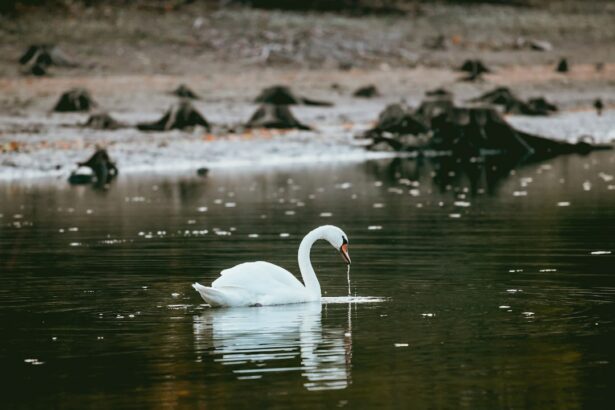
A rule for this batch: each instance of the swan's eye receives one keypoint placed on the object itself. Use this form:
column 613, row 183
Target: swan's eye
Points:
column 344, row 240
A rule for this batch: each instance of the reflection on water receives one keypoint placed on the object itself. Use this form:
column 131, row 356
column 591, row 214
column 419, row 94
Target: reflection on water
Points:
column 495, row 288
column 257, row 341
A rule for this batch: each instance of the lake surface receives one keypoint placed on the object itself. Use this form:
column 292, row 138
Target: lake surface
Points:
column 490, row 294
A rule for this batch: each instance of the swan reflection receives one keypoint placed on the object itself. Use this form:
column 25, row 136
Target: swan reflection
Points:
column 289, row 338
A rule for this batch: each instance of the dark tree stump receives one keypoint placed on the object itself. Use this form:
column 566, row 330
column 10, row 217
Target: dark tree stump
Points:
column 180, row 116
column 368, row 91
column 282, row 95
column 275, row 116
column 183, row 91
column 75, row 100
column 562, row 66
column 101, row 165
column 102, row 121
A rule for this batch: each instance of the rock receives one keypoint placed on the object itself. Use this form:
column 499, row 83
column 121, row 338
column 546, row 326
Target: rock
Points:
column 368, row 91
column 183, row 91
column 180, row 116
column 275, row 116
column 599, row 106
column 101, row 165
column 75, row 100
column 511, row 104
column 102, row 121
column 562, row 66
column 282, row 95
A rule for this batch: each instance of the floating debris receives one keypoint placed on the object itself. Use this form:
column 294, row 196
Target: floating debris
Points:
column 326, row 214
column 368, row 91
column 401, row 344
column 563, row 203
column 275, row 116
column 34, row 362
column 454, row 216
column 504, row 307
column 587, row 186
column 428, row 314
column 374, row 228
column 75, row 100
column 528, row 314
column 514, row 290
column 179, row 116
column 283, row 95
column 600, row 252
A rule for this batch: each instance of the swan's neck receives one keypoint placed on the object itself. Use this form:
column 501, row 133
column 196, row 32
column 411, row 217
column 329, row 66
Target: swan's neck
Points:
column 305, row 265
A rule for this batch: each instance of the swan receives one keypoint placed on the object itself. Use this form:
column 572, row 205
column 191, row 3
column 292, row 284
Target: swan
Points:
column 263, row 283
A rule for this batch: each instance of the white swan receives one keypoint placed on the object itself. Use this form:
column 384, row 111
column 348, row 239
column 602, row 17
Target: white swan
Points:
column 263, row 283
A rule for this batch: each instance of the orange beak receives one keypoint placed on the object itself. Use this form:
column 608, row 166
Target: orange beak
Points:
column 344, row 252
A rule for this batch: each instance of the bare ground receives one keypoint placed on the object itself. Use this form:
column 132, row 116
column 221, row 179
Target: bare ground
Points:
column 131, row 58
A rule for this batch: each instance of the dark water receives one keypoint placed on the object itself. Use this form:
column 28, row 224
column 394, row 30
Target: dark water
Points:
column 499, row 304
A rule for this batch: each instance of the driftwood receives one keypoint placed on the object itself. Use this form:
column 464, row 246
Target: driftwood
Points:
column 180, row 116
column 75, row 100
column 282, row 95
column 275, row 116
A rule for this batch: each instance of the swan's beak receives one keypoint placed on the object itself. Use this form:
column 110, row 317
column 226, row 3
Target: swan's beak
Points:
column 344, row 252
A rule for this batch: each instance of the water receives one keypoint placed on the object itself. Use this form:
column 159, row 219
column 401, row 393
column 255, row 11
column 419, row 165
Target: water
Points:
column 473, row 286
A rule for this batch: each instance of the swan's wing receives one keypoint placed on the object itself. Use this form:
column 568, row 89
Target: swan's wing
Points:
column 258, row 277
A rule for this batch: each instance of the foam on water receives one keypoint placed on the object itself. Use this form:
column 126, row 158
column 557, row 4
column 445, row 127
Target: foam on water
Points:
column 352, row 299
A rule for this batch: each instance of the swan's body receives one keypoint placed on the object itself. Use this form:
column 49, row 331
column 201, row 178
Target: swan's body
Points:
column 263, row 283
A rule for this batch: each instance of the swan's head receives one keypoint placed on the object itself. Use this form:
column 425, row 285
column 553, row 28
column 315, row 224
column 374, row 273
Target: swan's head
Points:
column 338, row 239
